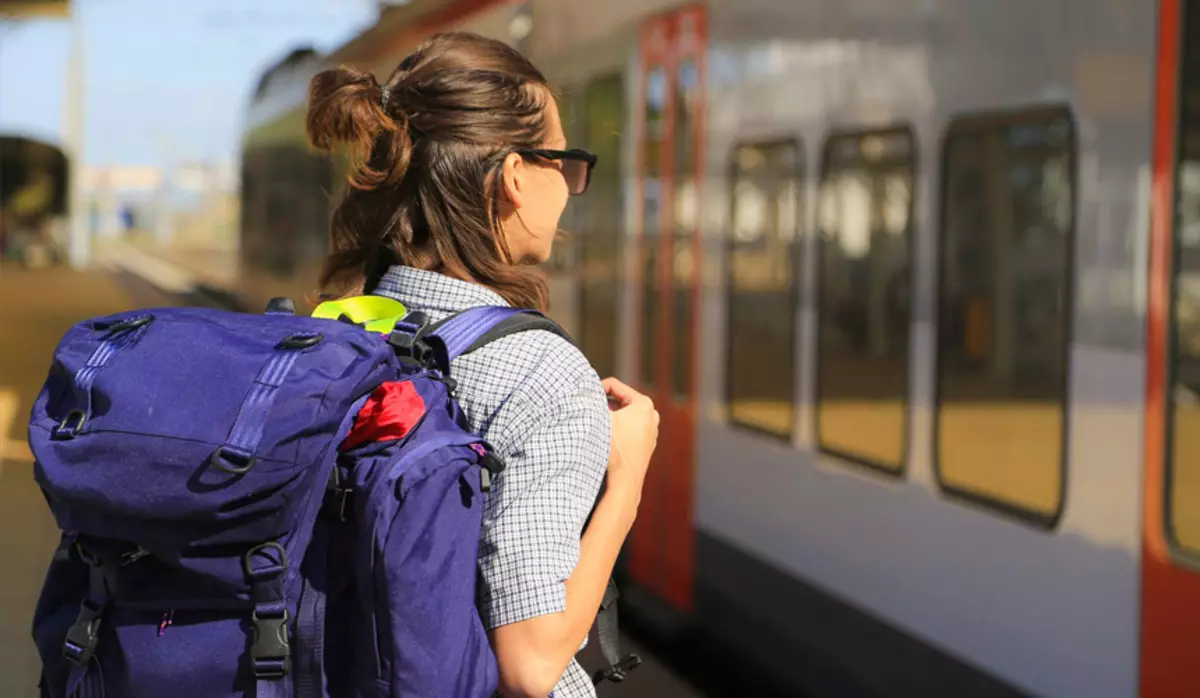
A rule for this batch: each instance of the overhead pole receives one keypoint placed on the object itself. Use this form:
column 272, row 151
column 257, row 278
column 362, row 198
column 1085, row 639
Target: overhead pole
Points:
column 79, row 235
column 4, row 27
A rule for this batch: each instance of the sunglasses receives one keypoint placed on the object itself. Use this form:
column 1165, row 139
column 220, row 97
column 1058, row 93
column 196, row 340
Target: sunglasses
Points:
column 577, row 165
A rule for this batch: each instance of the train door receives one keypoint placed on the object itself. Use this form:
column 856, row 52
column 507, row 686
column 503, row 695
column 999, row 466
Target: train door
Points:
column 1170, row 609
column 670, row 177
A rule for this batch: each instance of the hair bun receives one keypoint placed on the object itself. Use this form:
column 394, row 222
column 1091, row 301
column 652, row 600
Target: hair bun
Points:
column 346, row 108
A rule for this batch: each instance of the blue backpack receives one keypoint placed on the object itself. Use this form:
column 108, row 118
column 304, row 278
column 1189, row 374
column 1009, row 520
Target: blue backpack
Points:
column 221, row 537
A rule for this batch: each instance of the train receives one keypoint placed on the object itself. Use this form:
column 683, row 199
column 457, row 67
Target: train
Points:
column 33, row 199
column 912, row 283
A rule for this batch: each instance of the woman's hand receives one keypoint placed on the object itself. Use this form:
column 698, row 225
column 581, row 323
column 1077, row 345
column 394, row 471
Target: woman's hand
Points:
column 634, row 435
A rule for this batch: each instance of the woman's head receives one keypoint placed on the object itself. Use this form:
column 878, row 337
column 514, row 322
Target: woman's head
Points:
column 447, row 168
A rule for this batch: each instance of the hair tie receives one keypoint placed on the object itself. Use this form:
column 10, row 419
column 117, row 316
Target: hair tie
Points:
column 384, row 99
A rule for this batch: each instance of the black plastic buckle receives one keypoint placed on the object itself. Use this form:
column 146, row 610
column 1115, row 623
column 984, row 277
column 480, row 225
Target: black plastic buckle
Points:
column 83, row 636
column 492, row 466
column 271, row 643
column 492, row 463
column 619, row 671
column 412, row 344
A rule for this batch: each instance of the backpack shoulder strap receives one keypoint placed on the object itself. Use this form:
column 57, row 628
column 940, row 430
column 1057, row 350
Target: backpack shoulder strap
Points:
column 471, row 329
column 522, row 322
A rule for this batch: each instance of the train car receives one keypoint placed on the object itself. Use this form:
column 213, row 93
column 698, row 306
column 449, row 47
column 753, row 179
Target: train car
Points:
column 33, row 196
column 911, row 284
column 285, row 188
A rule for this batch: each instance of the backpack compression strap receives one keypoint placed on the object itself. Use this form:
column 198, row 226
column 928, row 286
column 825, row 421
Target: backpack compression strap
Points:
column 469, row 330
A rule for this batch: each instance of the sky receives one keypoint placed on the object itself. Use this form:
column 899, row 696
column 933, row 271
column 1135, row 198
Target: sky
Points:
column 167, row 81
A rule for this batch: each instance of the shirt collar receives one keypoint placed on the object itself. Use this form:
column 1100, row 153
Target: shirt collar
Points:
column 427, row 290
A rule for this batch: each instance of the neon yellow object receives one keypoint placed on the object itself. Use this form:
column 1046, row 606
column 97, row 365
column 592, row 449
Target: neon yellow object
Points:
column 374, row 313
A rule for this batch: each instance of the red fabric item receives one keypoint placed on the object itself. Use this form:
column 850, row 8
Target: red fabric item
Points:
column 388, row 415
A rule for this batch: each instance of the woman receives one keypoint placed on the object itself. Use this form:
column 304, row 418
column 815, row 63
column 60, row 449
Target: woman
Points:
column 458, row 179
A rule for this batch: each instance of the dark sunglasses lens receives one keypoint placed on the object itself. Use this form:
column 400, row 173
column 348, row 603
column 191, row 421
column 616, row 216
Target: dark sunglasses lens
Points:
column 576, row 174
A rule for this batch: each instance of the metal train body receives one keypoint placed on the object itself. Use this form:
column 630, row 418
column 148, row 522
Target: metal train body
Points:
column 908, row 280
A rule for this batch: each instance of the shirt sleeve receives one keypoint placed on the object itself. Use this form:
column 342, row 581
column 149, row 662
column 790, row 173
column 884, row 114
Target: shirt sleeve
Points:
column 555, row 445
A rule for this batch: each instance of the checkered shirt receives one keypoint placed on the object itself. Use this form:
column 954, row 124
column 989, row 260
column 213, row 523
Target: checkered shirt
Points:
column 536, row 399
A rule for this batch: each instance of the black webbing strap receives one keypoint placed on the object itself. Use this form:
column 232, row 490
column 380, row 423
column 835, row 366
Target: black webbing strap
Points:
column 608, row 630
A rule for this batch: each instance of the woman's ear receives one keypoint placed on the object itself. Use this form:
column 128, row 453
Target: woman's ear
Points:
column 512, row 177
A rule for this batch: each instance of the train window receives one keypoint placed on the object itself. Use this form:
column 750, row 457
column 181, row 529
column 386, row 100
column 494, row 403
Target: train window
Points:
column 1183, row 481
column 652, row 194
column 762, row 251
column 1004, row 306
column 250, row 210
column 865, row 220
column 287, row 221
column 600, row 225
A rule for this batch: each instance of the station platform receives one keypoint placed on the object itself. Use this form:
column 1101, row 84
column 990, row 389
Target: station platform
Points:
column 36, row 308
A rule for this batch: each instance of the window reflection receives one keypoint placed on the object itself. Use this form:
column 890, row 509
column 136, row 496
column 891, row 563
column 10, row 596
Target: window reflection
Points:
column 600, row 224
column 761, row 304
column 684, row 221
column 285, row 208
column 1005, row 266
column 1183, row 485
column 865, row 223
column 652, row 203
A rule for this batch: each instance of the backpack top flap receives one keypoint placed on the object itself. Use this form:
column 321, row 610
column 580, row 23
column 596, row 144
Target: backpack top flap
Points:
column 194, row 435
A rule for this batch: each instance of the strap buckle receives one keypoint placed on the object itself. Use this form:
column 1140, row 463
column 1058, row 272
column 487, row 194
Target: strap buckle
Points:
column 82, row 637
column 408, row 337
column 619, row 671
column 271, row 650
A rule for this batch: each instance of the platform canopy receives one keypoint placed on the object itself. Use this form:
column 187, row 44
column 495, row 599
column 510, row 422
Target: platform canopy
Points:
column 34, row 8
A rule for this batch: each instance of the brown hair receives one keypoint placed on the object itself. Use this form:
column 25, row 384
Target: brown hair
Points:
column 426, row 150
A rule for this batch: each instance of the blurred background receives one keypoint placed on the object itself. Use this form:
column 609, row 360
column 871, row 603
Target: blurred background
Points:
column 909, row 280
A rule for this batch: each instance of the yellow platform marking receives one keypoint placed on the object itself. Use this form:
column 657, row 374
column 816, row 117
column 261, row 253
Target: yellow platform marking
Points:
column 11, row 449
